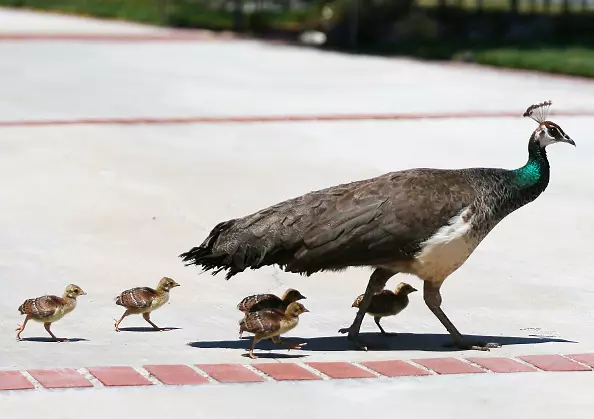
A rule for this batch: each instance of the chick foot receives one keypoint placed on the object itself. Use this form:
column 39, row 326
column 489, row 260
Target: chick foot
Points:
column 19, row 329
column 293, row 345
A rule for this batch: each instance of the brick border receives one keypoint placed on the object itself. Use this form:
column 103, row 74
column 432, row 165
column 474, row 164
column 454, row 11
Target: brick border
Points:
column 209, row 374
column 277, row 118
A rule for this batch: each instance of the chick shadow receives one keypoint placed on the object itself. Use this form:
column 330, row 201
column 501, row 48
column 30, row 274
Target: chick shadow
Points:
column 50, row 340
column 148, row 329
column 275, row 351
column 430, row 342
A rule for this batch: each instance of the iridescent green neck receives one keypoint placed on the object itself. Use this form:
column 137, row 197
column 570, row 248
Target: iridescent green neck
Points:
column 535, row 170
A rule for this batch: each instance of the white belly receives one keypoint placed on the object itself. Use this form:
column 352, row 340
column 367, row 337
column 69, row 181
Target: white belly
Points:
column 445, row 251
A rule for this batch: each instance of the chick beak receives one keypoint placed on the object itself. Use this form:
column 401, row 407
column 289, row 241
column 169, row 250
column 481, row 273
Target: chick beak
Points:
column 413, row 289
column 303, row 297
column 82, row 292
column 569, row 141
column 305, row 310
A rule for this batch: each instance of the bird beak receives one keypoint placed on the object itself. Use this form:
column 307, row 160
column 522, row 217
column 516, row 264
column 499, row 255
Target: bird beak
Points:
column 83, row 293
column 176, row 285
column 305, row 310
column 414, row 289
column 303, row 297
column 569, row 141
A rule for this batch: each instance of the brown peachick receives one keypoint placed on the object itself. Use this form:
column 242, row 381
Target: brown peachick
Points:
column 49, row 309
column 271, row 323
column 258, row 302
column 387, row 303
column 144, row 300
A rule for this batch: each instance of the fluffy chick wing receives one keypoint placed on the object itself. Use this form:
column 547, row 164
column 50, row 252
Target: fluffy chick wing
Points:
column 259, row 302
column 263, row 322
column 41, row 307
column 141, row 297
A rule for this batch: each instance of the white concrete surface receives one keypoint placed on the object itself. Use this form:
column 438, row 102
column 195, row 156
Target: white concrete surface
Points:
column 242, row 78
column 111, row 207
column 543, row 396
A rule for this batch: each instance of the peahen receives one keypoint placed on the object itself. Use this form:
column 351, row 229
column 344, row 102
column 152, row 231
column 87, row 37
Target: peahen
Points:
column 425, row 222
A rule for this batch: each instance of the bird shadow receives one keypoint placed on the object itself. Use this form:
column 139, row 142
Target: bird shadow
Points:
column 147, row 329
column 50, row 340
column 433, row 342
column 273, row 355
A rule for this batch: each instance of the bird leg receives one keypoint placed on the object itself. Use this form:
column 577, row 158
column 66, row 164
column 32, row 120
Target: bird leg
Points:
column 432, row 298
column 377, row 282
column 278, row 341
column 377, row 321
column 251, row 352
column 147, row 317
column 21, row 328
column 117, row 324
column 47, row 327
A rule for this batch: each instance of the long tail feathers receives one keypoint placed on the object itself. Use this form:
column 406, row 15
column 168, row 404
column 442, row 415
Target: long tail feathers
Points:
column 203, row 255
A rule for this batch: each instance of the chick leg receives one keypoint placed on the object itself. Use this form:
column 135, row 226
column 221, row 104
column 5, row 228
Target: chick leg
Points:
column 147, row 317
column 21, row 328
column 251, row 352
column 432, row 298
column 47, row 327
column 377, row 282
column 278, row 341
column 377, row 321
column 117, row 324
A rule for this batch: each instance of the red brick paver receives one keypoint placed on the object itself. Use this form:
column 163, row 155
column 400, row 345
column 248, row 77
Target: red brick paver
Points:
column 230, row 373
column 448, row 366
column 60, row 378
column 341, row 370
column 553, row 363
column 394, row 368
column 286, row 371
column 502, row 365
column 587, row 359
column 176, row 375
column 119, row 376
column 14, row 380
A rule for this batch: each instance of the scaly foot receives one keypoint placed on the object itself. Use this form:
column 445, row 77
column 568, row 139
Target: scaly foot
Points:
column 354, row 338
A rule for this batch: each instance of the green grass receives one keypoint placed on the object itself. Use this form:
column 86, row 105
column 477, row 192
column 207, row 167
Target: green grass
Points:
column 577, row 61
column 568, row 58
column 144, row 11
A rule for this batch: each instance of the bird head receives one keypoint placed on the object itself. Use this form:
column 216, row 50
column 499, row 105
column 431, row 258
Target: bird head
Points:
column 404, row 288
column 167, row 284
column 73, row 291
column 291, row 295
column 295, row 309
column 547, row 132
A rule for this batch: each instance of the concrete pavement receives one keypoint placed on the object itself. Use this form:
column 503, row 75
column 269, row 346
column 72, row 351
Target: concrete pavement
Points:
column 490, row 397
